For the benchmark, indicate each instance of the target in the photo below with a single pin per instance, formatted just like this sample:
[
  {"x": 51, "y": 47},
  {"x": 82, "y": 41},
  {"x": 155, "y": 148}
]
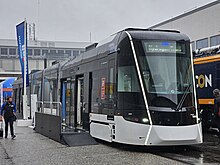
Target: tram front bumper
[{"x": 174, "y": 135}]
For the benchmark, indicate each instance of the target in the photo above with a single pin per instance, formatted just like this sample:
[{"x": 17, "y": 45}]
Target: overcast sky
[{"x": 73, "y": 20}]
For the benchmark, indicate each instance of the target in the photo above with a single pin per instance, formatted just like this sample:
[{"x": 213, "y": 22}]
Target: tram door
[
  {"x": 68, "y": 103},
  {"x": 79, "y": 102}
]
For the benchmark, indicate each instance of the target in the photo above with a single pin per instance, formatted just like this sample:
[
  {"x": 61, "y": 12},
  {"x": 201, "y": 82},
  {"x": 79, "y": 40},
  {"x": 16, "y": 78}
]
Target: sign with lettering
[{"x": 103, "y": 89}]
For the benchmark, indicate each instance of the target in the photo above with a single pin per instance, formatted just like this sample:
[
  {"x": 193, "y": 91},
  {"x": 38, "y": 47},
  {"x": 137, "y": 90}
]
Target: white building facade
[
  {"x": 40, "y": 54},
  {"x": 201, "y": 24}
]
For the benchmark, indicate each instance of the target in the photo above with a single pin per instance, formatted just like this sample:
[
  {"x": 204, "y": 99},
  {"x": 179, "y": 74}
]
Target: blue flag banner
[{"x": 22, "y": 49}]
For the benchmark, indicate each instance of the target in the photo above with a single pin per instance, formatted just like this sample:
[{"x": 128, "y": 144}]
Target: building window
[
  {"x": 4, "y": 51},
  {"x": 53, "y": 51},
  {"x": 44, "y": 52},
  {"x": 215, "y": 40},
  {"x": 193, "y": 45},
  {"x": 60, "y": 52},
  {"x": 75, "y": 52},
  {"x": 82, "y": 51},
  {"x": 12, "y": 51},
  {"x": 68, "y": 52},
  {"x": 30, "y": 52},
  {"x": 37, "y": 52},
  {"x": 203, "y": 43}
]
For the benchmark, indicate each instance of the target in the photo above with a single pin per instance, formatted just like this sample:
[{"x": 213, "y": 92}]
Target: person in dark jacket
[
  {"x": 8, "y": 111},
  {"x": 216, "y": 93}
]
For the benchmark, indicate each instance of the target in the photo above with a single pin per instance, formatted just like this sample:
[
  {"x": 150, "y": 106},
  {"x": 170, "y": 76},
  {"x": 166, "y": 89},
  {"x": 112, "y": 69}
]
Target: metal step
[{"x": 77, "y": 138}]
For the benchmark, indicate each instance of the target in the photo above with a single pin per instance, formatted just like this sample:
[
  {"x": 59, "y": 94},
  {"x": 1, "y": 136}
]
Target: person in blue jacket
[{"x": 8, "y": 110}]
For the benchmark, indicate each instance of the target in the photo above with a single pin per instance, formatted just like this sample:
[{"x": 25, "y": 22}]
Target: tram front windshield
[{"x": 167, "y": 73}]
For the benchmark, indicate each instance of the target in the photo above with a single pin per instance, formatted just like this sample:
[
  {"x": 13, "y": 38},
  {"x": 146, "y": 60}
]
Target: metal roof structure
[
  {"x": 187, "y": 13},
  {"x": 51, "y": 44}
]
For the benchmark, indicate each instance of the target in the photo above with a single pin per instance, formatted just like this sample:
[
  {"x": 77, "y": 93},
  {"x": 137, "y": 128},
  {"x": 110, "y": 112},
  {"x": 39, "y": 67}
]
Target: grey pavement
[{"x": 32, "y": 148}]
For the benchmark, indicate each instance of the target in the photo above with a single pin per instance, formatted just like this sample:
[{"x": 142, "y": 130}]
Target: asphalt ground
[{"x": 32, "y": 148}]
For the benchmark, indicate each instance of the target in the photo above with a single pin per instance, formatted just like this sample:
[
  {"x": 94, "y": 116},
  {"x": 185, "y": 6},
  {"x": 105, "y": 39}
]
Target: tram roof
[
  {"x": 136, "y": 33},
  {"x": 157, "y": 34}
]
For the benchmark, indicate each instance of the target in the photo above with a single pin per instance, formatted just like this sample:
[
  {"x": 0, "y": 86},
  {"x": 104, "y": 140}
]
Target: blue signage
[{"x": 22, "y": 49}]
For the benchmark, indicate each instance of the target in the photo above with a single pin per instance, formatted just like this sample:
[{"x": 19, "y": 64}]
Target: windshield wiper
[{"x": 179, "y": 106}]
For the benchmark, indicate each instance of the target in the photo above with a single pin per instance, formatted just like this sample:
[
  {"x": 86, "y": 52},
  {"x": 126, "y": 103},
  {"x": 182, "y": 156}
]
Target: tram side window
[
  {"x": 28, "y": 98},
  {"x": 95, "y": 92},
  {"x": 46, "y": 90},
  {"x": 50, "y": 89},
  {"x": 129, "y": 95},
  {"x": 37, "y": 88},
  {"x": 127, "y": 79},
  {"x": 130, "y": 102},
  {"x": 16, "y": 96},
  {"x": 111, "y": 83}
]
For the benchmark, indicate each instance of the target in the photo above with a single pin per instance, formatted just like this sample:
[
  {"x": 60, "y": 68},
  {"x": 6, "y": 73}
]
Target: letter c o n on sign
[{"x": 201, "y": 81}]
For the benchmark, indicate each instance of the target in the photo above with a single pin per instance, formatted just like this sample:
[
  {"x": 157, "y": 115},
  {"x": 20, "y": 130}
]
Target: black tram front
[{"x": 156, "y": 100}]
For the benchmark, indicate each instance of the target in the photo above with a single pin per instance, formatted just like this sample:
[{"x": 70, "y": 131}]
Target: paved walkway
[
  {"x": 211, "y": 142},
  {"x": 32, "y": 148}
]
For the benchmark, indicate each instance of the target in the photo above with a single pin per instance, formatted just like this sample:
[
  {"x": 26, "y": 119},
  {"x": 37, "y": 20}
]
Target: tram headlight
[{"x": 145, "y": 120}]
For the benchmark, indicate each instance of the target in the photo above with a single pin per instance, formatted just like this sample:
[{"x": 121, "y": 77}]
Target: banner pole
[{"x": 25, "y": 74}]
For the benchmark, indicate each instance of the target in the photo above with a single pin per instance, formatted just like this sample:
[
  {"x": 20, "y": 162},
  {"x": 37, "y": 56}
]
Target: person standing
[
  {"x": 8, "y": 111},
  {"x": 216, "y": 93}
]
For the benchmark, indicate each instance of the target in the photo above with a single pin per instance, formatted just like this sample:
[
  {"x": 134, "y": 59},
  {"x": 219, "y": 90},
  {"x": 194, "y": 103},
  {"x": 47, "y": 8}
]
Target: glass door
[
  {"x": 80, "y": 102},
  {"x": 67, "y": 104}
]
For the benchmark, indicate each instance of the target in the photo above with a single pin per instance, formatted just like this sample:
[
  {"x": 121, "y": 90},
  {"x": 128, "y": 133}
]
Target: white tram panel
[
  {"x": 139, "y": 134},
  {"x": 175, "y": 135},
  {"x": 130, "y": 132},
  {"x": 100, "y": 127},
  {"x": 101, "y": 131}
]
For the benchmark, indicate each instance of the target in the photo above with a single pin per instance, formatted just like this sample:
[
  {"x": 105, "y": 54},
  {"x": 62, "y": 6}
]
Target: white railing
[{"x": 50, "y": 109}]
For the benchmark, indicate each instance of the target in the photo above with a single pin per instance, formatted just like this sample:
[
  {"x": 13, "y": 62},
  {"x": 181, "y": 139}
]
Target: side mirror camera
[{"x": 118, "y": 50}]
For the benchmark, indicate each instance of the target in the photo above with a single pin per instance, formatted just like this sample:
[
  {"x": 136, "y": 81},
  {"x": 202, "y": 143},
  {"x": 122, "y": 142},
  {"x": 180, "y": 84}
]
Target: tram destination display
[{"x": 164, "y": 47}]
